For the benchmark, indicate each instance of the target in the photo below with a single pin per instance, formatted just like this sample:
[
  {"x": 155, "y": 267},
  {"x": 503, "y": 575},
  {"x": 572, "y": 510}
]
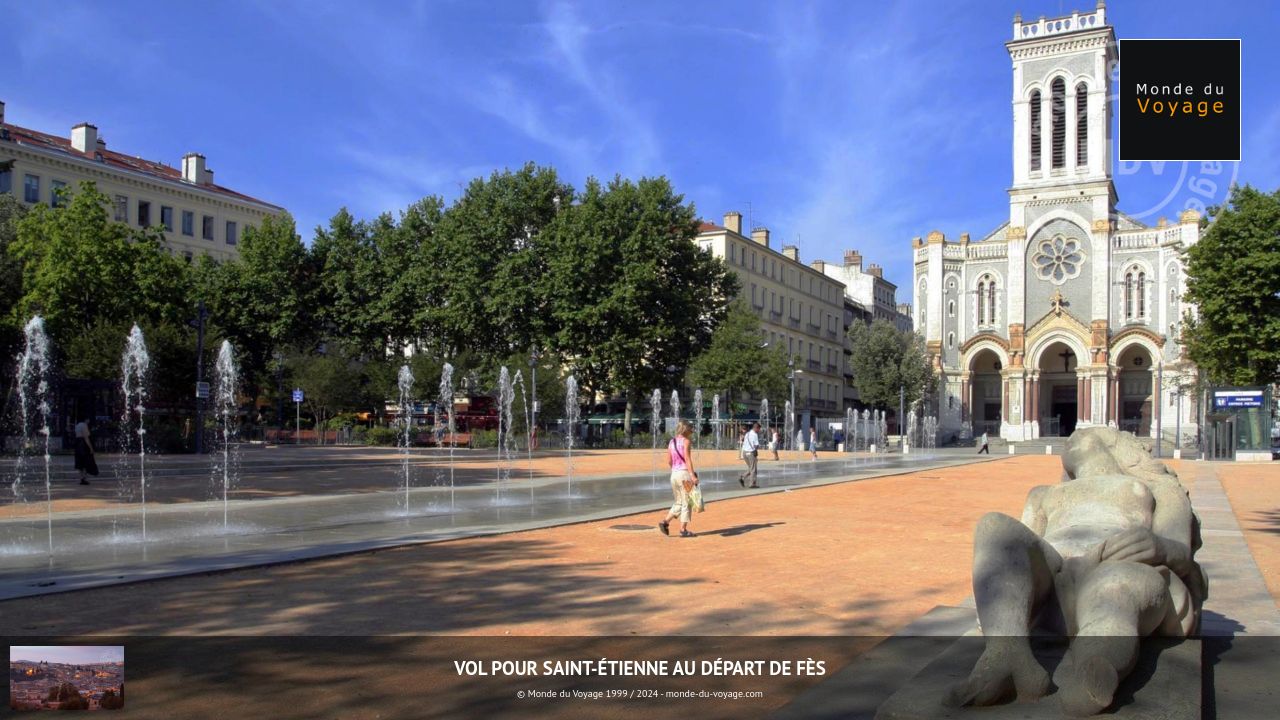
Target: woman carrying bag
[
  {"x": 85, "y": 462},
  {"x": 684, "y": 481}
]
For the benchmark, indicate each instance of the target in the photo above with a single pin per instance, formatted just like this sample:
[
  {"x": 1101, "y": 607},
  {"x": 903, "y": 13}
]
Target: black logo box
[{"x": 1186, "y": 69}]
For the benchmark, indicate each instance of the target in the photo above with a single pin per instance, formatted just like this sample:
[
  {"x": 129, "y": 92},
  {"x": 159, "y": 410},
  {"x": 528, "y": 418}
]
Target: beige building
[
  {"x": 199, "y": 216},
  {"x": 800, "y": 308}
]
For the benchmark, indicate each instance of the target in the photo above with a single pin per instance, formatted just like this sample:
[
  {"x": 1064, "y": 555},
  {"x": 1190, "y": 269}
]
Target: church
[{"x": 1068, "y": 314}]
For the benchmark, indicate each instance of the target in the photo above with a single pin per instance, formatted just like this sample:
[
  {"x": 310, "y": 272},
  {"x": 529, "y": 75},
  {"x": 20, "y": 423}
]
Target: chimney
[
  {"x": 876, "y": 270},
  {"x": 761, "y": 236},
  {"x": 102, "y": 144},
  {"x": 819, "y": 265},
  {"x": 84, "y": 138},
  {"x": 733, "y": 221},
  {"x": 194, "y": 171},
  {"x": 1, "y": 112},
  {"x": 853, "y": 258},
  {"x": 792, "y": 252}
]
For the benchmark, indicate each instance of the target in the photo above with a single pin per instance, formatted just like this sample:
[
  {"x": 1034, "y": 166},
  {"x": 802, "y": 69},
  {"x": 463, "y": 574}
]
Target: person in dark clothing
[{"x": 85, "y": 461}]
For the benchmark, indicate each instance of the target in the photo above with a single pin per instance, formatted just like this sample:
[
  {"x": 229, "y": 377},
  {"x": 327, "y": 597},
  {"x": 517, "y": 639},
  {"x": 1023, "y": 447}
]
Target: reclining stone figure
[{"x": 1105, "y": 558}]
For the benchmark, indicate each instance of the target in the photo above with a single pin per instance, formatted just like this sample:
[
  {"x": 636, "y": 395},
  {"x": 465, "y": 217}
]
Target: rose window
[{"x": 1058, "y": 259}]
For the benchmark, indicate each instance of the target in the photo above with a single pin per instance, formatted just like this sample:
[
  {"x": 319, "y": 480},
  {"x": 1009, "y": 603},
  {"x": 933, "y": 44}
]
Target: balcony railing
[{"x": 815, "y": 365}]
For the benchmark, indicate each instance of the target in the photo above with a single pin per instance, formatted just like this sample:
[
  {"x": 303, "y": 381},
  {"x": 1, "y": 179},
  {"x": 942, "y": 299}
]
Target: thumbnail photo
[{"x": 66, "y": 677}]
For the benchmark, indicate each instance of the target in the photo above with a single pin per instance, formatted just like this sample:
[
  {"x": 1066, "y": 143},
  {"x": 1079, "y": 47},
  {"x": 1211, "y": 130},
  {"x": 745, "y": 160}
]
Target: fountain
[
  {"x": 518, "y": 381},
  {"x": 33, "y": 399},
  {"x": 715, "y": 429},
  {"x": 506, "y": 397},
  {"x": 446, "y": 401},
  {"x": 849, "y": 439},
  {"x": 788, "y": 429},
  {"x": 697, "y": 417},
  {"x": 226, "y": 380},
  {"x": 655, "y": 422},
  {"x": 134, "y": 366},
  {"x": 675, "y": 411},
  {"x": 884, "y": 431},
  {"x": 404, "y": 382},
  {"x": 571, "y": 426},
  {"x": 911, "y": 432},
  {"x": 764, "y": 419}
]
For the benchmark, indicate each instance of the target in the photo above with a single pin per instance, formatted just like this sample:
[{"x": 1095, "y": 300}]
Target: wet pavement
[{"x": 118, "y": 544}]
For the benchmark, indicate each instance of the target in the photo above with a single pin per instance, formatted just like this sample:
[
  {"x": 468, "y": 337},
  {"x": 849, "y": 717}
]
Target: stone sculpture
[{"x": 1105, "y": 558}]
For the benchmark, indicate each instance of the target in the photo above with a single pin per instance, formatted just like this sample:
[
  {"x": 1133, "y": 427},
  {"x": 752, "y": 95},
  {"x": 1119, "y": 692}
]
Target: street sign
[
  {"x": 1237, "y": 398},
  {"x": 202, "y": 390},
  {"x": 297, "y": 395}
]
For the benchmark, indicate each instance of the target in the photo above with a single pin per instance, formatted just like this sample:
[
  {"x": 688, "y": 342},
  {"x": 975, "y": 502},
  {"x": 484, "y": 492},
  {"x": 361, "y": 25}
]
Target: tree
[
  {"x": 80, "y": 267},
  {"x": 737, "y": 362},
  {"x": 488, "y": 253},
  {"x": 1233, "y": 279},
  {"x": 262, "y": 301},
  {"x": 11, "y": 211},
  {"x": 334, "y": 383},
  {"x": 885, "y": 359},
  {"x": 632, "y": 296}
]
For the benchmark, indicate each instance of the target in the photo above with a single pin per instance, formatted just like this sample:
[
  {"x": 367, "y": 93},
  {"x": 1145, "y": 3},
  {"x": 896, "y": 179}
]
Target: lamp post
[
  {"x": 902, "y": 408},
  {"x": 198, "y": 323},
  {"x": 1158, "y": 396}
]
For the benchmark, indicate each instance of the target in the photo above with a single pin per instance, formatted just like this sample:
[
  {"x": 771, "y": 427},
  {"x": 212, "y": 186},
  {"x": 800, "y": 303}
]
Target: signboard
[
  {"x": 1237, "y": 398},
  {"x": 297, "y": 395},
  {"x": 202, "y": 390}
]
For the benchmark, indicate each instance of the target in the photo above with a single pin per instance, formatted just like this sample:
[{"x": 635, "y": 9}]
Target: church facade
[{"x": 1068, "y": 314}]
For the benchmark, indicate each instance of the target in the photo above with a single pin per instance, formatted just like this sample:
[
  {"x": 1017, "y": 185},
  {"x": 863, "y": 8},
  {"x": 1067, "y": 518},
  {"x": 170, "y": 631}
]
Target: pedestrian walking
[
  {"x": 85, "y": 461},
  {"x": 984, "y": 448},
  {"x": 750, "y": 453},
  {"x": 683, "y": 479},
  {"x": 774, "y": 439},
  {"x": 813, "y": 442}
]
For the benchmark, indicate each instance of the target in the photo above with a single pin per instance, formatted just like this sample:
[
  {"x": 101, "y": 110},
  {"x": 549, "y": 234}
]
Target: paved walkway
[{"x": 125, "y": 543}]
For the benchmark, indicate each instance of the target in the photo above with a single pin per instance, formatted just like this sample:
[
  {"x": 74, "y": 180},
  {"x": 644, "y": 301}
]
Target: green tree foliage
[
  {"x": 631, "y": 294},
  {"x": 11, "y": 211},
  {"x": 111, "y": 701},
  {"x": 80, "y": 267},
  {"x": 1233, "y": 278},
  {"x": 262, "y": 300},
  {"x": 885, "y": 359},
  {"x": 736, "y": 361},
  {"x": 489, "y": 258},
  {"x": 334, "y": 382}
]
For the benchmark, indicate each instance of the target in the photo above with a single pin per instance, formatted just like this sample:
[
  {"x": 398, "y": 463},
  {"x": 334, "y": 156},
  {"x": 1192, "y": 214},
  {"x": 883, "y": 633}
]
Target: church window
[
  {"x": 1035, "y": 130},
  {"x": 1128, "y": 295},
  {"x": 982, "y": 301},
  {"x": 1058, "y": 108},
  {"x": 1082, "y": 124},
  {"x": 991, "y": 302},
  {"x": 951, "y": 308},
  {"x": 1058, "y": 259},
  {"x": 1142, "y": 299},
  {"x": 951, "y": 340}
]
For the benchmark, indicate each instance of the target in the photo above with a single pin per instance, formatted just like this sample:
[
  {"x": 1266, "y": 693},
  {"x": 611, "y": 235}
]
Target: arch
[
  {"x": 1078, "y": 345},
  {"x": 976, "y": 346},
  {"x": 1056, "y": 214},
  {"x": 1123, "y": 341}
]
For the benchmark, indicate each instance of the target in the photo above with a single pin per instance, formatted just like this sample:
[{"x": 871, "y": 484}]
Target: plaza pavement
[{"x": 851, "y": 561}]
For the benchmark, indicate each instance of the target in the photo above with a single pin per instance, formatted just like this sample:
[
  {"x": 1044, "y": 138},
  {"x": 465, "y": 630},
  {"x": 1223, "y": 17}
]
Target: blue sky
[
  {"x": 841, "y": 124},
  {"x": 69, "y": 654}
]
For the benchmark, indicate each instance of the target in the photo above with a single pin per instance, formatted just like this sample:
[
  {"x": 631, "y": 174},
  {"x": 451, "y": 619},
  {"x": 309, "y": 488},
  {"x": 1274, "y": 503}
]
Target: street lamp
[{"x": 1158, "y": 397}]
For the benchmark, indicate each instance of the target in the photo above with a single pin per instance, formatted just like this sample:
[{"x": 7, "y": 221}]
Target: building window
[
  {"x": 122, "y": 208},
  {"x": 951, "y": 308},
  {"x": 188, "y": 223},
  {"x": 1058, "y": 108},
  {"x": 733, "y": 253},
  {"x": 31, "y": 188},
  {"x": 1128, "y": 295},
  {"x": 55, "y": 198},
  {"x": 1035, "y": 131},
  {"x": 144, "y": 213},
  {"x": 6, "y": 179},
  {"x": 206, "y": 227},
  {"x": 1142, "y": 295},
  {"x": 231, "y": 233},
  {"x": 166, "y": 217},
  {"x": 1082, "y": 124},
  {"x": 186, "y": 255},
  {"x": 991, "y": 302},
  {"x": 951, "y": 340}
]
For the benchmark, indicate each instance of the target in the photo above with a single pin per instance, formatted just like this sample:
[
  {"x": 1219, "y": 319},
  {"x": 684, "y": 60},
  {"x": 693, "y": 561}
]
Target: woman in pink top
[{"x": 683, "y": 479}]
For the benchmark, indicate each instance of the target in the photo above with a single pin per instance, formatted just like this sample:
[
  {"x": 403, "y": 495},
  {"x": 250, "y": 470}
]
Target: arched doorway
[
  {"x": 985, "y": 384},
  {"x": 1133, "y": 398},
  {"x": 1057, "y": 399}
]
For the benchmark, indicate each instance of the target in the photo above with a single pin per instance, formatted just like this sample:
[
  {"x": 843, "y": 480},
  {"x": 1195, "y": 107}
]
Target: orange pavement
[{"x": 1254, "y": 492}]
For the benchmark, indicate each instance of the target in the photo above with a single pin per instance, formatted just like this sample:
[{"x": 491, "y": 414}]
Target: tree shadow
[{"x": 1267, "y": 521}]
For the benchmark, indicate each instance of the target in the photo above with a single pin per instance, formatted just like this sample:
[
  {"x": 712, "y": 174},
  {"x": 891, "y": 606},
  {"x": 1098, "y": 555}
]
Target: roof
[
  {"x": 119, "y": 161},
  {"x": 704, "y": 226}
]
